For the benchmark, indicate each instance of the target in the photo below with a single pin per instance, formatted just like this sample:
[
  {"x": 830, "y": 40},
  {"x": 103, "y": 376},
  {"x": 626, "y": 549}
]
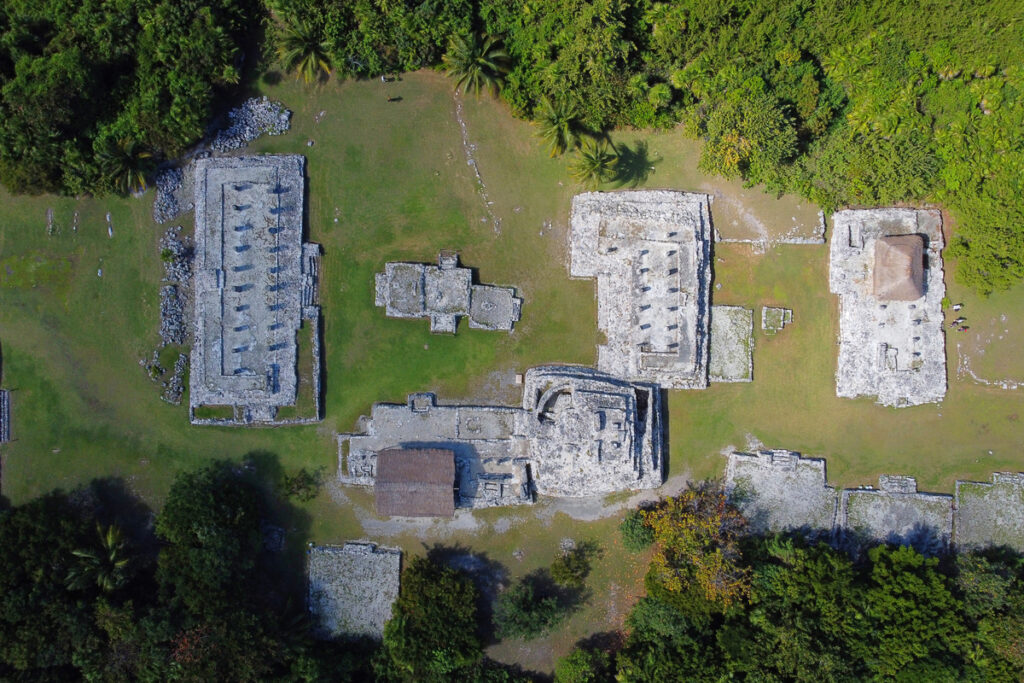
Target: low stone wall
[{"x": 5, "y": 416}]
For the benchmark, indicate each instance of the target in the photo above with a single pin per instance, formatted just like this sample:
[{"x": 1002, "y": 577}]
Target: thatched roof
[
  {"x": 415, "y": 482},
  {"x": 899, "y": 267}
]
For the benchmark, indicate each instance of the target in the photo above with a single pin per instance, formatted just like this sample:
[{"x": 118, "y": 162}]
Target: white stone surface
[
  {"x": 732, "y": 344},
  {"x": 251, "y": 283},
  {"x": 649, "y": 251},
  {"x": 893, "y": 350},
  {"x": 777, "y": 490},
  {"x": 579, "y": 432},
  {"x": 352, "y": 588},
  {"x": 990, "y": 514}
]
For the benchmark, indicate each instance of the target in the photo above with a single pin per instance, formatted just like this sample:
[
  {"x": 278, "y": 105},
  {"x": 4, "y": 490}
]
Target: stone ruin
[
  {"x": 990, "y": 513},
  {"x": 731, "y": 356},
  {"x": 444, "y": 293},
  {"x": 579, "y": 432},
  {"x": 780, "y": 491},
  {"x": 650, "y": 253},
  {"x": 351, "y": 588},
  {"x": 254, "y": 283},
  {"x": 897, "y": 513},
  {"x": 777, "y": 490},
  {"x": 886, "y": 267},
  {"x": 774, "y": 320},
  {"x": 5, "y": 416}
]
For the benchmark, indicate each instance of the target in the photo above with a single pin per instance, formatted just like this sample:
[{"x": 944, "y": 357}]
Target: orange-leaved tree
[{"x": 697, "y": 540}]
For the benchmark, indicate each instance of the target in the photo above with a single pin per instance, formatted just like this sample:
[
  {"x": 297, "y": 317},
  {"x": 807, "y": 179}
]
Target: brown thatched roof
[
  {"x": 415, "y": 482},
  {"x": 899, "y": 267}
]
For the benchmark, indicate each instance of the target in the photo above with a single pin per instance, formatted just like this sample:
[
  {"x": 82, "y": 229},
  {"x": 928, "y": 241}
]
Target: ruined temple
[
  {"x": 443, "y": 294},
  {"x": 579, "y": 432},
  {"x": 650, "y": 253},
  {"x": 886, "y": 267},
  {"x": 255, "y": 282}
]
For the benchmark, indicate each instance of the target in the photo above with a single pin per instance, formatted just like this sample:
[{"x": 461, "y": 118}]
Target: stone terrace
[
  {"x": 254, "y": 283},
  {"x": 897, "y": 513},
  {"x": 579, "y": 432},
  {"x": 444, "y": 293},
  {"x": 777, "y": 490},
  {"x": 990, "y": 514},
  {"x": 352, "y": 588},
  {"x": 649, "y": 251},
  {"x": 891, "y": 348}
]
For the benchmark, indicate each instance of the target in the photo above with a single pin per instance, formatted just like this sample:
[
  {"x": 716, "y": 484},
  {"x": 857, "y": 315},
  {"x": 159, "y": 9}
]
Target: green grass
[{"x": 389, "y": 181}]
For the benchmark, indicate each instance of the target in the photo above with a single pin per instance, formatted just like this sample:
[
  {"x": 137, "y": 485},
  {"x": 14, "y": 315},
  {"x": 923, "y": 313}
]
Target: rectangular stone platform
[
  {"x": 254, "y": 283},
  {"x": 649, "y": 251}
]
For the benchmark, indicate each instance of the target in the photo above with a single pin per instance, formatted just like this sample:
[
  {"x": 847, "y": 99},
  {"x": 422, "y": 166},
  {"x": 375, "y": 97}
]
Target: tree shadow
[
  {"x": 634, "y": 165},
  {"x": 286, "y": 530},
  {"x": 110, "y": 501},
  {"x": 487, "y": 575}
]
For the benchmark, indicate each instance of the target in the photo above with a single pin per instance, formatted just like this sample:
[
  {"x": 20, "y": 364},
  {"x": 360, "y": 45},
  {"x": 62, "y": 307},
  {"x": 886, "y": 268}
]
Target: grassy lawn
[{"x": 390, "y": 181}]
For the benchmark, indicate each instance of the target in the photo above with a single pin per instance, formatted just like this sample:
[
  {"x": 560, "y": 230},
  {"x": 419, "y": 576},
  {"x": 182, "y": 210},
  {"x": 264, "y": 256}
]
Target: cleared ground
[{"x": 394, "y": 175}]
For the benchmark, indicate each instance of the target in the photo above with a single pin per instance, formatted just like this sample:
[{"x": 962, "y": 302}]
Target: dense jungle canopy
[{"x": 841, "y": 101}]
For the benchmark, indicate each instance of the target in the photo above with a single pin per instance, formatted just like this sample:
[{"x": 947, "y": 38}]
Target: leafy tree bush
[
  {"x": 584, "y": 665},
  {"x": 91, "y": 92},
  {"x": 697, "y": 536},
  {"x": 527, "y": 609},
  {"x": 432, "y": 633},
  {"x": 636, "y": 534}
]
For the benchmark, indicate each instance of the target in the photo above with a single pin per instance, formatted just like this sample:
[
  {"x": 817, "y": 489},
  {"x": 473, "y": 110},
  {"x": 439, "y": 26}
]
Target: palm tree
[
  {"x": 559, "y": 126},
  {"x": 594, "y": 164},
  {"x": 106, "y": 566},
  {"x": 476, "y": 62},
  {"x": 304, "y": 50},
  {"x": 125, "y": 163}
]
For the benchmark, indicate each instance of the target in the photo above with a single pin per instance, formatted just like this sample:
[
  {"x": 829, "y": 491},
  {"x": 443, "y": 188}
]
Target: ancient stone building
[
  {"x": 886, "y": 267},
  {"x": 649, "y": 251},
  {"x": 443, "y": 294},
  {"x": 351, "y": 588},
  {"x": 255, "y": 282},
  {"x": 579, "y": 432}
]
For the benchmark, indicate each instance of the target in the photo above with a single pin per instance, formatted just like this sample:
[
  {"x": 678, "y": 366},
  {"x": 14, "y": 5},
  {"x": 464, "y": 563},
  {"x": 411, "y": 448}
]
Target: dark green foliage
[
  {"x": 304, "y": 485},
  {"x": 636, "y": 534},
  {"x": 584, "y": 665},
  {"x": 210, "y": 525},
  {"x": 815, "y": 615},
  {"x": 526, "y": 609},
  {"x": 91, "y": 92},
  {"x": 570, "y": 569},
  {"x": 476, "y": 63},
  {"x": 42, "y": 621},
  {"x": 432, "y": 633}
]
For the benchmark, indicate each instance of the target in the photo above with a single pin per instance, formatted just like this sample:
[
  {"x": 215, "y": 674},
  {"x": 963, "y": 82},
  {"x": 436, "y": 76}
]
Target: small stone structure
[
  {"x": 5, "y": 416},
  {"x": 650, "y": 253},
  {"x": 774, "y": 320},
  {"x": 897, "y": 513},
  {"x": 886, "y": 267},
  {"x": 352, "y": 588},
  {"x": 777, "y": 490},
  {"x": 444, "y": 293},
  {"x": 732, "y": 344},
  {"x": 990, "y": 514},
  {"x": 254, "y": 282},
  {"x": 579, "y": 432}
]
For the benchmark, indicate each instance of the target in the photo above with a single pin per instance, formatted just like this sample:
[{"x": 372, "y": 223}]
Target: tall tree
[
  {"x": 476, "y": 62},
  {"x": 559, "y": 126},
  {"x": 303, "y": 49}
]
